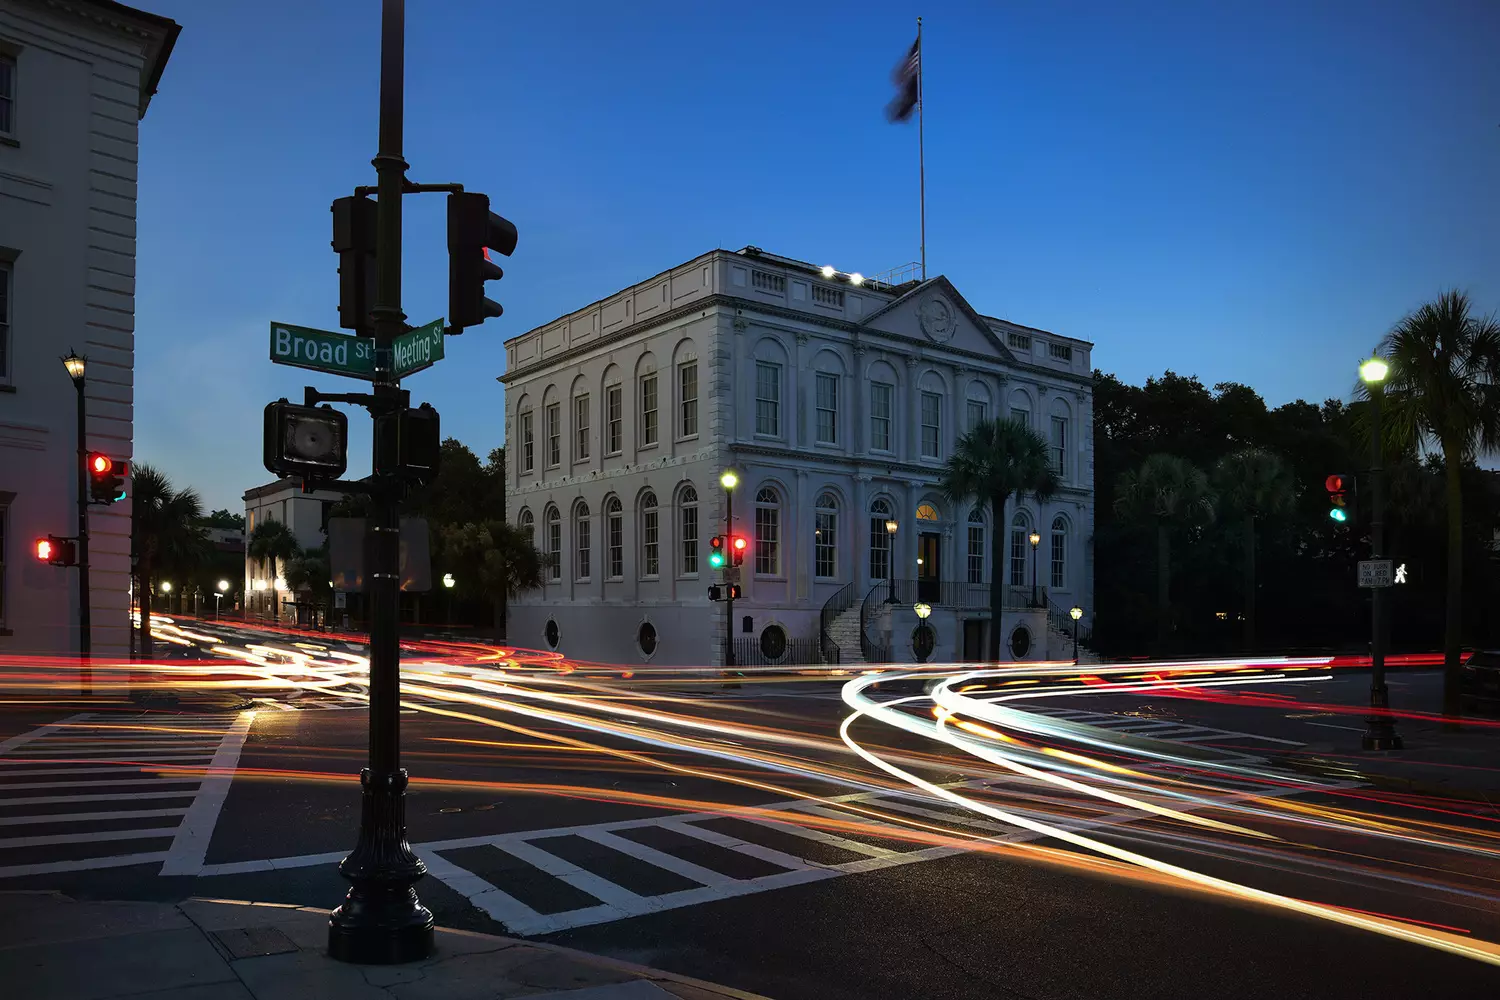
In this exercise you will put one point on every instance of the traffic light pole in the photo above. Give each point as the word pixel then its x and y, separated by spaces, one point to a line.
pixel 728 585
pixel 1380 730
pixel 381 921
pixel 85 630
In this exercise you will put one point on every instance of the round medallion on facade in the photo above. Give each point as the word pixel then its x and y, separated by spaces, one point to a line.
pixel 936 317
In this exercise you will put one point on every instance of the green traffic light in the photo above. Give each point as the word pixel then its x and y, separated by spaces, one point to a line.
pixel 1338 515
pixel 716 560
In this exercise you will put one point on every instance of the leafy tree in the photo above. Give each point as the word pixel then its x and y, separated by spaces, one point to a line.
pixel 224 519
pixel 1252 484
pixel 1444 385
pixel 273 542
pixel 994 461
pixel 491 560
pixel 1172 495
pixel 164 533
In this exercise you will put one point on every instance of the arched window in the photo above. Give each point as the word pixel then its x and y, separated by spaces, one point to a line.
pixel 527 524
pixel 926 512
pixel 825 537
pixel 687 503
pixel 1059 552
pixel 615 537
pixel 880 540
pixel 976 546
pixel 581 541
pixel 767 532
pixel 650 543
pixel 554 541
pixel 1020 528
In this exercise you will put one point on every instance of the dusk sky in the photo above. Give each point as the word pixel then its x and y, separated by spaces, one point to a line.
pixel 1254 193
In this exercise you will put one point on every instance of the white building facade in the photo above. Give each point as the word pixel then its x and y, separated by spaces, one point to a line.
pixel 304 514
pixel 76 77
pixel 837 404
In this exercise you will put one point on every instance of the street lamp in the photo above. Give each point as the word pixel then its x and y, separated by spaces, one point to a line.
pixel 166 586
pixel 76 364
pixel 448 580
pixel 1380 729
pixel 890 558
pixel 922 610
pixel 1035 539
pixel 923 639
pixel 729 479
pixel 218 594
pixel 1075 613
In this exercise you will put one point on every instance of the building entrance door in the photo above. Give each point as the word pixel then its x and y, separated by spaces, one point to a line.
pixel 974 639
pixel 929 569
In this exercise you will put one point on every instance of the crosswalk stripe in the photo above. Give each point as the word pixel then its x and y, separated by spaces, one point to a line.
pixel 660 859
pixel 47 800
pixel 565 871
pixel 84 864
pixel 89 817
pixel 775 857
pixel 13 843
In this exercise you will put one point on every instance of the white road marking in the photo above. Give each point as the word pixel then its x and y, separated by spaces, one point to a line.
pixel 190 846
pixel 7 745
pixel 89 817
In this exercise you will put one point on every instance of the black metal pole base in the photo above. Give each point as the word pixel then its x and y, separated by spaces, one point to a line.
pixel 381 921
pixel 1380 735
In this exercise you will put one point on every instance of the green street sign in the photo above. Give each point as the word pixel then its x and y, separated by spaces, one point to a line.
pixel 417 349
pixel 335 353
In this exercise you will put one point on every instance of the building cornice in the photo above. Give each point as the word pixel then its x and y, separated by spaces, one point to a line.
pixel 157 34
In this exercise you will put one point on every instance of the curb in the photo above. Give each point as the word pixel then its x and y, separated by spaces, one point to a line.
pixel 1321 768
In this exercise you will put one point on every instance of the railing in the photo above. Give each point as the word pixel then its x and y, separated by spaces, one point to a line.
pixel 797 652
pixel 955 594
pixel 873 652
pixel 1063 622
pixel 841 601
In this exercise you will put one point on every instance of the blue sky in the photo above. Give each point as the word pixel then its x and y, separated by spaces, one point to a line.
pixel 1251 191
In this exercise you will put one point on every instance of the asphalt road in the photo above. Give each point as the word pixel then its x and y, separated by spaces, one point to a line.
pixel 729 834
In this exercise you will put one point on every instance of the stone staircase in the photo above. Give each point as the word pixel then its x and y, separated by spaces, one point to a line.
pixel 1060 647
pixel 844 631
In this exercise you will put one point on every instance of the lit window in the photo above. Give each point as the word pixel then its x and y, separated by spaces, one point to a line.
pixel 687 502
pixel 581 541
pixel 881 395
pixel 648 410
pixel 880 540
pixel 528 445
pixel 687 394
pixel 976 546
pixel 612 418
pixel 767 399
pixel 767 532
pixel 553 418
pixel 926 512
pixel 825 537
pixel 615 527
pixel 1059 553
pixel 932 424
pixel 828 408
pixel 580 428
pixel 554 542
pixel 650 542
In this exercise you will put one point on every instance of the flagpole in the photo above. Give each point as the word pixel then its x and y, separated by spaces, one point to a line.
pixel 921 150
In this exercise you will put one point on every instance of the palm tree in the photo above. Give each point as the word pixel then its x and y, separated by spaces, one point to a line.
pixel 1251 484
pixel 309 571
pixel 491 559
pixel 1170 494
pixel 994 461
pixel 1444 386
pixel 274 543
pixel 164 531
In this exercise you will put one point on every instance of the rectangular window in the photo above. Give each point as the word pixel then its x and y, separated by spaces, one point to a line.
pixel 768 398
pixel 616 546
pixel 1020 416
pixel 976 553
pixel 825 549
pixel 687 394
pixel 554 544
pixel 528 444
pixel 932 424
pixel 1059 444
pixel 7 95
pixel 1018 546
pixel 690 540
pixel 580 428
pixel 979 412
pixel 650 542
pixel 613 414
pixel 648 410
pixel 881 395
pixel 553 419
pixel 767 536
pixel 581 533
pixel 880 549
pixel 1059 557
pixel 828 408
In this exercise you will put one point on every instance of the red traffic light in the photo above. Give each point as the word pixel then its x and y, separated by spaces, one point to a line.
pixel 99 464
pixel 44 549
pixel 740 543
pixel 1334 483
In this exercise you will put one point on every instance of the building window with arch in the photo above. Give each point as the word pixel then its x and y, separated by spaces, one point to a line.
pixel 882 403
pixel 581 541
pixel 687 395
pixel 553 417
pixel 581 428
pixel 528 443
pixel 527 525
pixel 554 542
pixel 614 517
pixel 1059 444
pixel 976 546
pixel 979 412
pixel 828 408
pixel 1020 528
pixel 768 398
pixel 613 412
pixel 767 532
pixel 880 541
pixel 650 540
pixel 648 410
pixel 932 425
pixel 1059 552
pixel 825 537
pixel 687 503
pixel 926 512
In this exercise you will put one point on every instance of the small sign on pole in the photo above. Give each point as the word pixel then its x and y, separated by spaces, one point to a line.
pixel 1376 573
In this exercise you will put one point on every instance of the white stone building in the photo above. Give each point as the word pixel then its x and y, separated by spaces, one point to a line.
pixel 836 401
pixel 305 514
pixel 76 77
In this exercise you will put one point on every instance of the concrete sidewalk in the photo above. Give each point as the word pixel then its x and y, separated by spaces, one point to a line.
pixel 56 948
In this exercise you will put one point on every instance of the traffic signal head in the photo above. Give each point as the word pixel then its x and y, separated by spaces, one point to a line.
pixel 734 592
pixel 354 241
pixel 44 549
pixel 474 234
pixel 57 551
pixel 1339 487
pixel 716 551
pixel 409 443
pixel 306 442
pixel 738 547
pixel 106 478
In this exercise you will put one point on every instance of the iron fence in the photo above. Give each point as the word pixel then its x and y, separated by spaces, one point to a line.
pixel 757 652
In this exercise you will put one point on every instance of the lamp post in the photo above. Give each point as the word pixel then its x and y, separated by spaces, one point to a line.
pixel 1035 539
pixel 923 644
pixel 166 589
pixel 218 594
pixel 1075 613
pixel 890 559
pixel 729 479
pixel 1380 730
pixel 448 583
pixel 75 364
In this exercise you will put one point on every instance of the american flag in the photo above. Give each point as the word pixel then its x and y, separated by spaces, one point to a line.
pixel 907 77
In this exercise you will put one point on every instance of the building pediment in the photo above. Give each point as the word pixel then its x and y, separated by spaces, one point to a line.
pixel 935 312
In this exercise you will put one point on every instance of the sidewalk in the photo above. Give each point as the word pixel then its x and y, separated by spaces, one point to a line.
pixel 56 948
pixel 1463 765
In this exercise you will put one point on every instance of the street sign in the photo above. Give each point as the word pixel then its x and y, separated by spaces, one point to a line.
pixel 1375 573
pixel 418 348
pixel 334 353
